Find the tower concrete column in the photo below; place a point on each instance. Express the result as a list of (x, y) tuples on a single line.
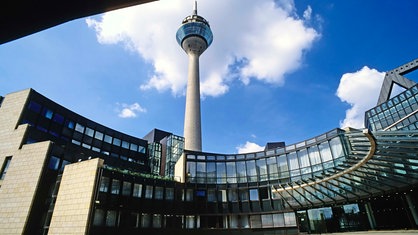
[(194, 36), (192, 117)]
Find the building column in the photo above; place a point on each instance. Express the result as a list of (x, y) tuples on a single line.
[(412, 208), (370, 215)]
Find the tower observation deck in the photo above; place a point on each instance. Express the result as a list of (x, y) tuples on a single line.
[(194, 36)]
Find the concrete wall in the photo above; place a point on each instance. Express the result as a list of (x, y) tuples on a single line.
[(73, 207), (20, 184)]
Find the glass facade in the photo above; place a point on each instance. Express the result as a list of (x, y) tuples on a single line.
[(281, 165), (398, 113)]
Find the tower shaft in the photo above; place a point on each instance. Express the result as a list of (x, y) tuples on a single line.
[(192, 119)]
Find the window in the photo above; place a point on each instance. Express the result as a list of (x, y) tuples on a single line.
[(115, 186), (79, 127), (47, 113), (98, 135), (148, 191), (89, 132), (125, 144), (54, 163), (58, 118), (169, 193), (108, 139), (221, 172), (254, 194), (126, 188), (116, 141), (111, 218), (231, 172), (137, 190), (33, 106), (99, 215), (5, 167), (159, 192), (146, 220), (104, 184)]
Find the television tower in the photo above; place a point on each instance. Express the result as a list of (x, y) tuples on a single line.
[(194, 36)]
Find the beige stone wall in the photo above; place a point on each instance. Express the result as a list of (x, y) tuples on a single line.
[(10, 110), (75, 198), (21, 181), (19, 186)]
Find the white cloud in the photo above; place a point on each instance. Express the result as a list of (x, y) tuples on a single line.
[(307, 14), (130, 110), (361, 90), (249, 147), (268, 36)]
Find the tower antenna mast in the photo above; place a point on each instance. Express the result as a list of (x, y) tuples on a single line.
[(195, 8)]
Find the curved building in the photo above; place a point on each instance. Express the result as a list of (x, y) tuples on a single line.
[(61, 172)]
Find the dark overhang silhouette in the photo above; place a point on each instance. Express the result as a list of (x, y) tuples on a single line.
[(19, 18)]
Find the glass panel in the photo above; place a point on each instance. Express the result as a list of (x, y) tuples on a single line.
[(255, 221), (108, 139), (99, 216), (169, 194), (34, 106), (278, 220), (89, 132), (79, 127), (267, 221), (261, 169), (290, 219), (116, 141), (191, 171), (48, 113), (53, 164), (146, 220), (156, 221), (314, 155), (104, 184), (126, 188), (159, 193), (211, 172), (233, 195), (98, 135), (148, 191), (125, 144), (283, 167), (326, 154), (336, 148), (254, 194), (231, 174), (58, 118), (220, 172), (272, 168), (115, 186), (111, 218), (201, 172), (243, 195), (137, 190), (211, 195), (241, 172), (293, 161), (251, 171)]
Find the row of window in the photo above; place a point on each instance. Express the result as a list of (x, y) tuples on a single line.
[(84, 136), (393, 110), (114, 218), (294, 164), (125, 188)]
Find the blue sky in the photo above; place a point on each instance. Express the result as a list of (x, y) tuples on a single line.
[(276, 71)]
